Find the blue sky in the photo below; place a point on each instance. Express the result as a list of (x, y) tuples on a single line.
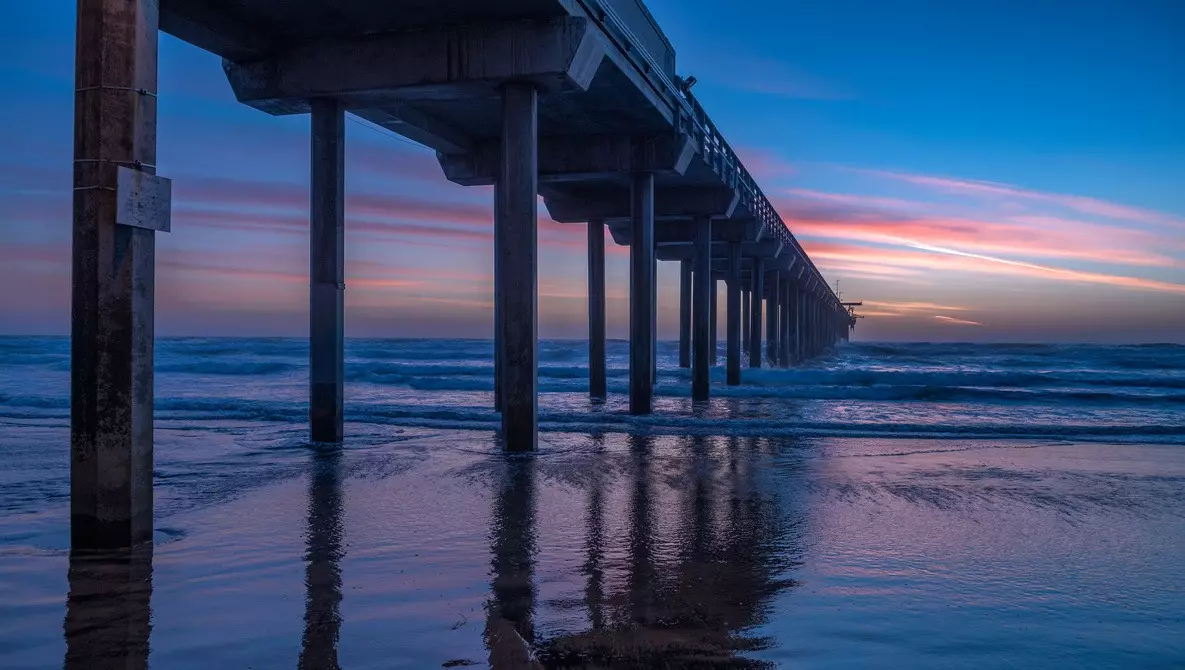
[(974, 171)]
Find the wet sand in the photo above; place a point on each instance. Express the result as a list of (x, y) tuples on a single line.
[(422, 549)]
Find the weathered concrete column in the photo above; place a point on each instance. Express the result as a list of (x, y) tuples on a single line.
[(685, 313), (327, 271), (111, 326), (796, 321), (809, 311), (518, 269), (702, 312), (733, 358), (746, 294), (815, 348), (787, 331), (642, 293), (807, 323), (820, 327), (715, 325), (497, 301), (758, 295), (773, 320), (654, 322), (596, 309)]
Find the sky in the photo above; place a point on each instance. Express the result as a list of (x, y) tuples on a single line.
[(990, 171)]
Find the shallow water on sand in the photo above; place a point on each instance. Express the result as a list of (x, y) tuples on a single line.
[(417, 550), (747, 533)]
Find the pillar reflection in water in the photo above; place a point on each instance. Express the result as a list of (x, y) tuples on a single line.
[(323, 577), (642, 576), (687, 596), (108, 609), (593, 568), (509, 633)]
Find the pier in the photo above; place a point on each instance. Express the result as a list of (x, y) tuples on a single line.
[(576, 101)]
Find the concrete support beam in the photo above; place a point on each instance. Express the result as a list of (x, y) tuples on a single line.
[(564, 159), (211, 28), (518, 267), (596, 309), (681, 202), (702, 315), (405, 120), (773, 320), (733, 357), (113, 280), (642, 293), (685, 314), (327, 271), (556, 53)]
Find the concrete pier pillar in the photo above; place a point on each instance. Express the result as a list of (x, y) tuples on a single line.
[(642, 293), (596, 309), (815, 348), (758, 295), (113, 277), (745, 307), (796, 323), (654, 321), (327, 271), (809, 310), (733, 357), (715, 324), (518, 269), (701, 310), (497, 302), (820, 327), (821, 317), (802, 324), (773, 320), (685, 313), (787, 330)]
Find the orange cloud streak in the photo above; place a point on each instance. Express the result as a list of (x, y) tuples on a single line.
[(959, 322)]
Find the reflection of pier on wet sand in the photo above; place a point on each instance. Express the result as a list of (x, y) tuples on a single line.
[(688, 599), (676, 552)]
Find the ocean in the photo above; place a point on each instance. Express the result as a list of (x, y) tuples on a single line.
[(917, 505)]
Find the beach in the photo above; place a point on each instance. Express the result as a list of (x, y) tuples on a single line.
[(911, 505)]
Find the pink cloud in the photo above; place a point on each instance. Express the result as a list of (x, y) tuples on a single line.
[(939, 258), (860, 219), (1083, 204)]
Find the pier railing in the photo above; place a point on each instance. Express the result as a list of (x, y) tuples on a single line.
[(623, 21)]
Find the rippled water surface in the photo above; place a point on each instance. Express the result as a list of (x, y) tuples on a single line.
[(891, 505)]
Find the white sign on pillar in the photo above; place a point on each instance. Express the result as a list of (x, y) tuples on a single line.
[(144, 200)]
